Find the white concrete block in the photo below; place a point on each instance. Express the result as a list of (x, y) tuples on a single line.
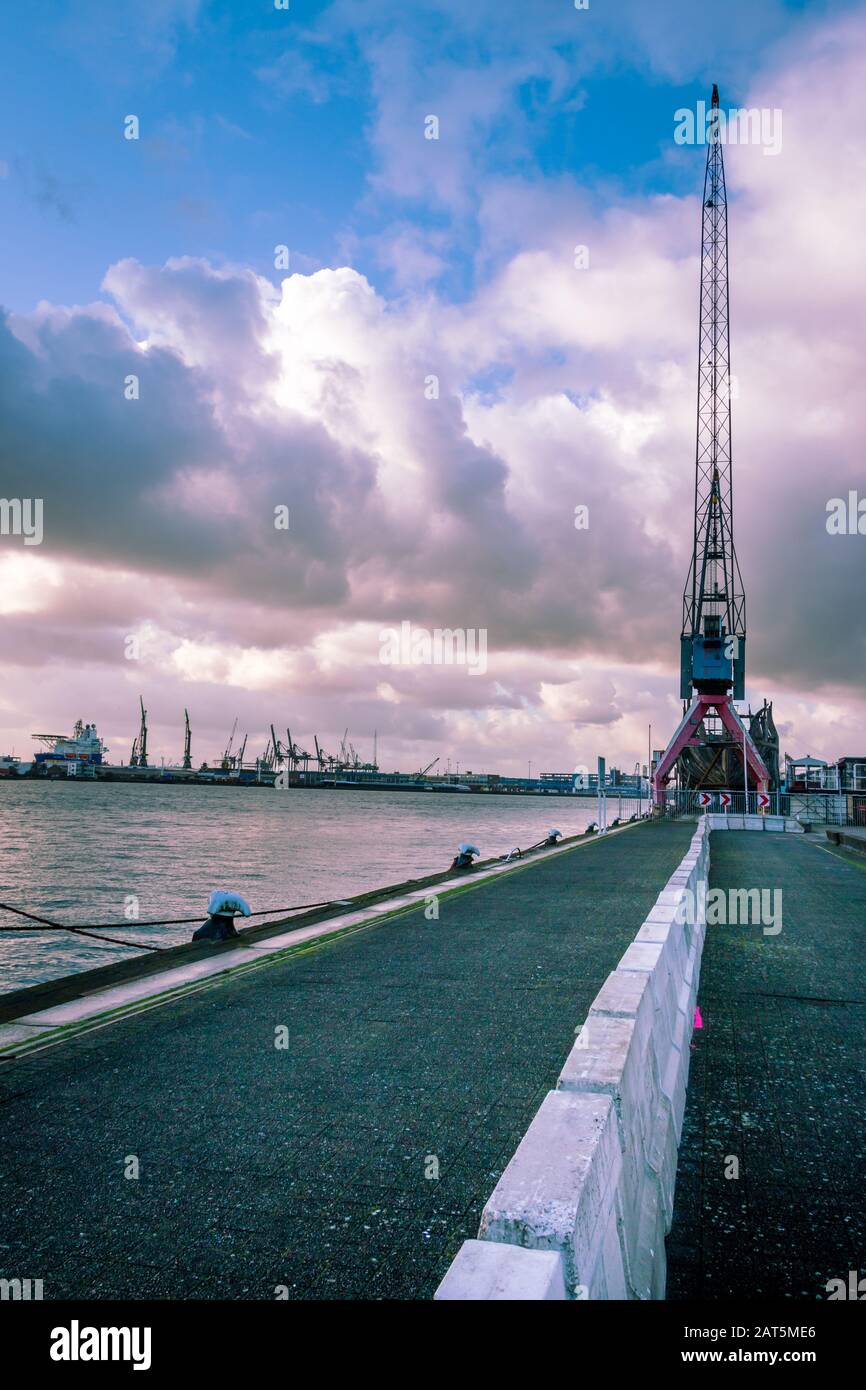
[(670, 911), (557, 1193), (672, 938), (640, 955), (621, 995), (484, 1270), (615, 1057), (597, 1060), (668, 896)]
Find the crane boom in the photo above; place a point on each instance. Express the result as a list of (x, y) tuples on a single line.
[(714, 603)]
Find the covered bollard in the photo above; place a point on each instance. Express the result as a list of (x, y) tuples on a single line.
[(464, 857), (223, 907)]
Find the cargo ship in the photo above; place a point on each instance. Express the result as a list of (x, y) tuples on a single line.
[(77, 754)]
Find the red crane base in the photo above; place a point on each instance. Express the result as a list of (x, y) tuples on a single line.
[(702, 705)]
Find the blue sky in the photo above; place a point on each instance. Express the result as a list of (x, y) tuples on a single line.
[(259, 126)]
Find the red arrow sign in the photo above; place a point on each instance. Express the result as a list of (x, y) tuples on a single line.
[(763, 800), (705, 798), (725, 798)]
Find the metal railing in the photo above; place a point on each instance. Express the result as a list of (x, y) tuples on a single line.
[(816, 808)]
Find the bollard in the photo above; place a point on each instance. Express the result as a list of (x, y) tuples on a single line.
[(464, 856), (223, 906)]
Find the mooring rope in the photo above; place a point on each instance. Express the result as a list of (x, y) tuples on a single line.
[(47, 925), (78, 931)]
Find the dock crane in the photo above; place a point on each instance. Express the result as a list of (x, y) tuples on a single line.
[(297, 755), (713, 637), (187, 751), (422, 772), (138, 756), (226, 759), (277, 750)]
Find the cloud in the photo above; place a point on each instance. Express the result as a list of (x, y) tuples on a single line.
[(431, 455)]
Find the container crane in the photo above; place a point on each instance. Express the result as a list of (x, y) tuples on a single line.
[(297, 755), (278, 752)]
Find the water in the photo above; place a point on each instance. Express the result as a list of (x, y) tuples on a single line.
[(78, 852)]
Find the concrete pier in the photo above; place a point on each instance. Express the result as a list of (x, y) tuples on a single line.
[(330, 1124), (777, 1083)]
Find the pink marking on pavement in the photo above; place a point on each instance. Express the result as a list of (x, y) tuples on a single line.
[(699, 1022)]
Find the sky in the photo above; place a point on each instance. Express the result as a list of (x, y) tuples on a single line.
[(394, 337)]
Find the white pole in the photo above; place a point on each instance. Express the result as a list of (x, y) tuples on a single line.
[(745, 772)]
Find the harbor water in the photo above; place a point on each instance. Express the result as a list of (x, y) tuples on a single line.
[(106, 852)]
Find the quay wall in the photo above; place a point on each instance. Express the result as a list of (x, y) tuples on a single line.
[(583, 1207)]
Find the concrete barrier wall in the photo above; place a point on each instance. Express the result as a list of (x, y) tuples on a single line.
[(719, 821), (583, 1207)]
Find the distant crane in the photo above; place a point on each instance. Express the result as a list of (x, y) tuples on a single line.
[(187, 753), (278, 752), (138, 756), (226, 759), (296, 754), (422, 772)]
